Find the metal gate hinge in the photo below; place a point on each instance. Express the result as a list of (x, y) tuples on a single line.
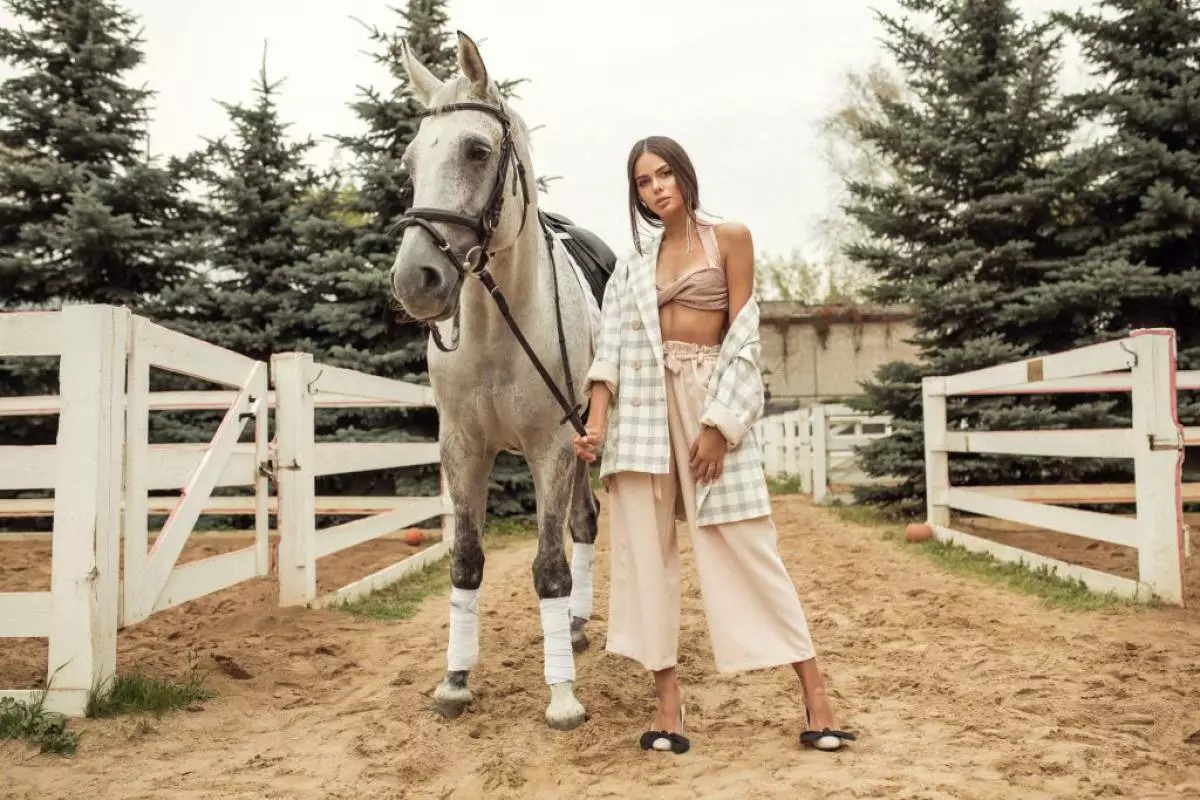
[(1173, 442)]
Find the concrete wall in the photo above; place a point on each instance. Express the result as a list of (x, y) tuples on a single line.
[(819, 353)]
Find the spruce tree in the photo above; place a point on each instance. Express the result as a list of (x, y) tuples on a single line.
[(86, 214), (1140, 221), (968, 224), (277, 241), (254, 294)]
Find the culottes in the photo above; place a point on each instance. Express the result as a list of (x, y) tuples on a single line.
[(755, 619)]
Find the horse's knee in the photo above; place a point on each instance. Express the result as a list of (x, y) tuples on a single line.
[(551, 574), (466, 563)]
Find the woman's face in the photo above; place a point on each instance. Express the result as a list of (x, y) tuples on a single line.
[(656, 186)]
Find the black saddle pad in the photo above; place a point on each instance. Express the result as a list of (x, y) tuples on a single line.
[(596, 258)]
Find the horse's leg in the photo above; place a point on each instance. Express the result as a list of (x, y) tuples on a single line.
[(466, 469), (554, 478), (584, 513)]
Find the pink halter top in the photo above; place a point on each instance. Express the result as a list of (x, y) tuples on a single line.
[(703, 288)]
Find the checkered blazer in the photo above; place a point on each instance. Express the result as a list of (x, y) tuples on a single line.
[(629, 359)]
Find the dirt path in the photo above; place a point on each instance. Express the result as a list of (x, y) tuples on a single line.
[(959, 690)]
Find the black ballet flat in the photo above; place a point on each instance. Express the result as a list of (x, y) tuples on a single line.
[(662, 741), (827, 740)]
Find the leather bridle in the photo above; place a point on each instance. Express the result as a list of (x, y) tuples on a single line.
[(474, 262), (484, 225)]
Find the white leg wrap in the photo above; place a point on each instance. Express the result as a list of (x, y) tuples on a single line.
[(583, 560), (556, 640), (463, 652)]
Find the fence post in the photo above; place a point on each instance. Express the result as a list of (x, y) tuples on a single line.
[(820, 454), (937, 459), (1157, 464), (262, 484), (85, 548), (801, 449), (295, 478), (135, 517)]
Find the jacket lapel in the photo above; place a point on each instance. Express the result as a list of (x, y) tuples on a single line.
[(646, 296)]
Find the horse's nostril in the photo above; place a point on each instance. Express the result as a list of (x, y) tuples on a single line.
[(430, 278)]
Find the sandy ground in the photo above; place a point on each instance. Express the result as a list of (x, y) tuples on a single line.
[(957, 689)]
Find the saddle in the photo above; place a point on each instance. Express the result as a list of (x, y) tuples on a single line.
[(595, 259)]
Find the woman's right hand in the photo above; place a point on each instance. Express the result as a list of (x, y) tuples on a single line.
[(588, 447)]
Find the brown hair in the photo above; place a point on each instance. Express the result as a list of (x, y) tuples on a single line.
[(677, 159)]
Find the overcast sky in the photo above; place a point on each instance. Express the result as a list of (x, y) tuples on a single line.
[(742, 85)]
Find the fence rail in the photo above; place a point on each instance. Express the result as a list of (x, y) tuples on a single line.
[(102, 490), (299, 381), (1142, 364), (817, 445)]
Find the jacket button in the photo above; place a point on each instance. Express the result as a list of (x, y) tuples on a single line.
[(636, 402), (637, 365), (637, 324)]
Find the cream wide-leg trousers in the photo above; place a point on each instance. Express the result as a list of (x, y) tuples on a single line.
[(755, 619)]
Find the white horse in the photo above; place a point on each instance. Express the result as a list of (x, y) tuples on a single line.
[(474, 230)]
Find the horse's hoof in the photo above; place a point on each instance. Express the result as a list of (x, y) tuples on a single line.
[(565, 712), (579, 639), (451, 701)]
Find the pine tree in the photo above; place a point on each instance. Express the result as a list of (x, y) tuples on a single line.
[(966, 227), (1140, 221), (277, 240), (85, 214), (255, 293)]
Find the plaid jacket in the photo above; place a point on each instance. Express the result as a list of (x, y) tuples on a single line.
[(629, 359)]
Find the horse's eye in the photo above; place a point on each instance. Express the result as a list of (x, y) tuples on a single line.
[(478, 152)]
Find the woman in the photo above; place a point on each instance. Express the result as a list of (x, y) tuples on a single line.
[(674, 388)]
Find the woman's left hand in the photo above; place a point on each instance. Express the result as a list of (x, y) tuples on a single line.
[(708, 455)]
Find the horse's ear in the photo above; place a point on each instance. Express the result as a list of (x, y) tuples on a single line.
[(471, 64), (425, 83)]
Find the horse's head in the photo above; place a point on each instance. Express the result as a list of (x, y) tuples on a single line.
[(469, 165)]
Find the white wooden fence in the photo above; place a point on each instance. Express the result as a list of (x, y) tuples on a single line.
[(1142, 364), (299, 384), (825, 462), (102, 468)]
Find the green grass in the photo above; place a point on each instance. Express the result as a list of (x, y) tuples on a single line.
[(1055, 591), (134, 693), (784, 484), (402, 599)]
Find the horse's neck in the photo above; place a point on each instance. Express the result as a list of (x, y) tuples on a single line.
[(523, 276)]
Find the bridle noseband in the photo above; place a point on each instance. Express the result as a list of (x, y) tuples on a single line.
[(475, 261)]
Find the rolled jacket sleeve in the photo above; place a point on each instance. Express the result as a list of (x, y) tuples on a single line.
[(738, 401)]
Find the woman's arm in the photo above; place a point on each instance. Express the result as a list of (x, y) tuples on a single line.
[(721, 429), (737, 253), (739, 396)]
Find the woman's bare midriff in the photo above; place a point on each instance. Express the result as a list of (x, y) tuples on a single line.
[(682, 324)]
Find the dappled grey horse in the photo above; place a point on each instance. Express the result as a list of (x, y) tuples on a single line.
[(511, 324)]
